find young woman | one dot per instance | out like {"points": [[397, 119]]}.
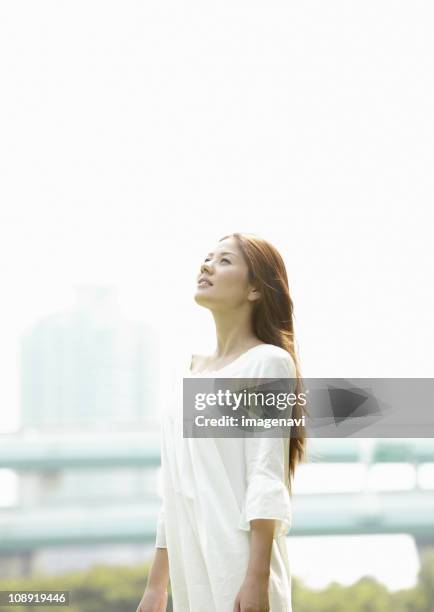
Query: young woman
{"points": [[226, 501]]}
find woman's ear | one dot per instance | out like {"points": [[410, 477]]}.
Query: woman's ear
{"points": [[254, 295]]}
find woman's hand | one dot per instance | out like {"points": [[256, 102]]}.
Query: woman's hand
{"points": [[253, 595], [153, 600]]}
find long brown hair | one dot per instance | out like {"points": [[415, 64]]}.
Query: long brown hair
{"points": [[273, 321]]}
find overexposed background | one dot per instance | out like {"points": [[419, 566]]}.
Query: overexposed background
{"points": [[135, 134]]}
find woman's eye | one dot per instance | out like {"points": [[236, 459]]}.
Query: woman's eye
{"points": [[223, 259]]}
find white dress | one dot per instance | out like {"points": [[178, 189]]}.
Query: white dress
{"points": [[212, 488]]}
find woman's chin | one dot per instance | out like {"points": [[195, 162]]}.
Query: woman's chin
{"points": [[202, 299]]}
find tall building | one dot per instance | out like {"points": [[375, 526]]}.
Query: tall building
{"points": [[88, 367]]}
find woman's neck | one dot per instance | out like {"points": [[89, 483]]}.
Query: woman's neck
{"points": [[234, 333]]}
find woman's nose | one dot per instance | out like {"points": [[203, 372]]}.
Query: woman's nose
{"points": [[205, 268]]}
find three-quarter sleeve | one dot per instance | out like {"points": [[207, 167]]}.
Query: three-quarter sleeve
{"points": [[267, 495], [266, 459], [160, 539]]}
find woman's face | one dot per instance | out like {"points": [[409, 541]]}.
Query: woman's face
{"points": [[226, 270]]}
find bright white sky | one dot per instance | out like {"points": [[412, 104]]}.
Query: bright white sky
{"points": [[134, 135]]}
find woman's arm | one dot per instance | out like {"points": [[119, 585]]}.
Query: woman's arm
{"points": [[155, 596], [260, 547], [159, 573], [253, 594], [266, 509]]}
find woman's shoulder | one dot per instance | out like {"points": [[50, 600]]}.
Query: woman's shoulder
{"points": [[272, 349], [271, 360], [269, 351]]}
